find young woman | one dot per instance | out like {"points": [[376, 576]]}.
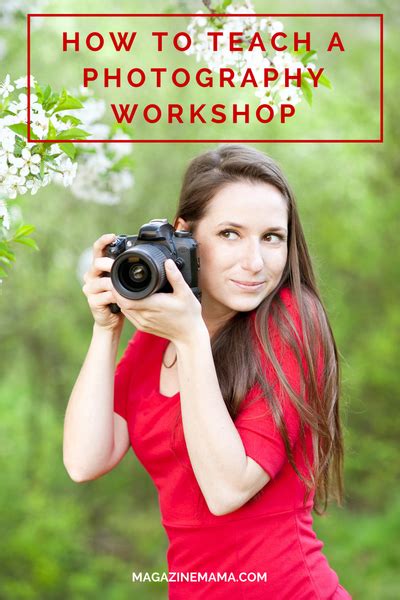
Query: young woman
{"points": [[231, 404]]}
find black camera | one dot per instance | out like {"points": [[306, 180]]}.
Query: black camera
{"points": [[138, 269]]}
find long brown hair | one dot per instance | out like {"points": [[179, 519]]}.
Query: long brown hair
{"points": [[238, 371]]}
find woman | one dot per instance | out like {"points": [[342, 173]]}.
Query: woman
{"points": [[232, 405]]}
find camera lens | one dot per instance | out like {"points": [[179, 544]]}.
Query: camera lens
{"points": [[134, 274], [139, 272]]}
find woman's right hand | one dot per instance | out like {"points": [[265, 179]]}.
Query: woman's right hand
{"points": [[98, 288]]}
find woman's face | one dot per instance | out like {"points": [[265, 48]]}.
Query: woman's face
{"points": [[242, 247]]}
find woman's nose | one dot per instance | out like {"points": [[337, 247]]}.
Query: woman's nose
{"points": [[253, 259]]}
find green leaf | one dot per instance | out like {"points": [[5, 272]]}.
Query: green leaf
{"points": [[118, 127], [4, 113], [22, 129], [3, 273], [323, 80], [24, 230], [69, 118], [10, 256], [72, 133], [52, 101], [38, 90], [52, 132], [46, 93], [69, 149], [307, 91], [50, 158], [6, 251], [68, 103], [37, 148], [28, 242], [224, 5], [125, 162], [306, 58]]}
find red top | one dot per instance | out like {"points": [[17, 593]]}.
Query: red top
{"points": [[272, 533]]}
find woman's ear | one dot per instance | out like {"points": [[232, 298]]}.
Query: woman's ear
{"points": [[181, 225]]}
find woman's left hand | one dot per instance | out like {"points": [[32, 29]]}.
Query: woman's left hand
{"points": [[175, 316]]}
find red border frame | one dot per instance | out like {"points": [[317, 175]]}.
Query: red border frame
{"points": [[302, 141]]}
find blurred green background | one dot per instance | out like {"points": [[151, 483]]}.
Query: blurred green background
{"points": [[65, 540]]}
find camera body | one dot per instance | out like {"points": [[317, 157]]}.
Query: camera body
{"points": [[138, 269]]}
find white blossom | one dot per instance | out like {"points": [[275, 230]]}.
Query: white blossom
{"points": [[14, 186], [12, 10], [274, 27], [3, 163], [93, 175], [68, 169], [39, 124], [200, 21], [123, 149], [16, 163], [33, 185], [93, 110], [5, 87], [22, 82], [7, 139], [31, 163], [257, 59], [22, 105], [291, 94], [96, 181]]}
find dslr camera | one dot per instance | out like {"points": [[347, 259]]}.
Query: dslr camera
{"points": [[138, 269]]}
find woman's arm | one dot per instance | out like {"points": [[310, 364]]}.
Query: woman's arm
{"points": [[95, 438], [227, 477]]}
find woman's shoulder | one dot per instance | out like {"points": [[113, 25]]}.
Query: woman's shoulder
{"points": [[286, 298], [284, 304], [284, 315]]}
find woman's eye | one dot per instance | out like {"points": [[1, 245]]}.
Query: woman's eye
{"points": [[226, 234], [273, 237]]}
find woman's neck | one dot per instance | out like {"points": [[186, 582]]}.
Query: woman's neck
{"points": [[215, 317]]}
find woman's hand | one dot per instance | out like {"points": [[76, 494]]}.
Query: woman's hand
{"points": [[175, 316], [98, 288]]}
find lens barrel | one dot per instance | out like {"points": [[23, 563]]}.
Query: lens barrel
{"points": [[140, 271]]}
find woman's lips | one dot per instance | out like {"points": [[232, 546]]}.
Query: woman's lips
{"points": [[249, 286]]}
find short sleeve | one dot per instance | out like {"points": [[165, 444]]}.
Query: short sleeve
{"points": [[255, 423], [123, 374]]}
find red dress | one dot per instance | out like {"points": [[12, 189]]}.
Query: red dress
{"points": [[266, 549]]}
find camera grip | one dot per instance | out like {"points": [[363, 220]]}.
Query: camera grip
{"points": [[115, 309]]}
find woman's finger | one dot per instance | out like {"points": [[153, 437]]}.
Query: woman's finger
{"points": [[100, 265], [154, 302], [102, 299], [175, 278], [127, 303], [97, 285], [101, 243]]}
